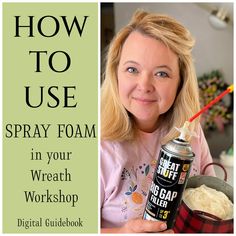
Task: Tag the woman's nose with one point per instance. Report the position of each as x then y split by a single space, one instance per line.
145 83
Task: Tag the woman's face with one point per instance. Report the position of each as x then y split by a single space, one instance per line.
148 79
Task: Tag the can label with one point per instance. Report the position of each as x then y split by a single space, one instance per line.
167 187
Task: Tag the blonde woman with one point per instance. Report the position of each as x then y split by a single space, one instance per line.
149 88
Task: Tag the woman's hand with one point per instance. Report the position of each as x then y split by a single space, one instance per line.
140 226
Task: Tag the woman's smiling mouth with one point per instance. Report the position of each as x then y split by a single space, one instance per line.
144 100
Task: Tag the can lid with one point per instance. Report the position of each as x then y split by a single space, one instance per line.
179 147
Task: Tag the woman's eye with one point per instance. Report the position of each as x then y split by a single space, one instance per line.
162 74
132 70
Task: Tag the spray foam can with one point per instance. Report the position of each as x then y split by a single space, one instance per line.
169 181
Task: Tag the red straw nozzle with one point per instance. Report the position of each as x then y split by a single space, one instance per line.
230 89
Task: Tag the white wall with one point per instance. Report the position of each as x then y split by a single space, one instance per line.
213 49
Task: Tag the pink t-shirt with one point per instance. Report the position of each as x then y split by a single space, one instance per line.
126 173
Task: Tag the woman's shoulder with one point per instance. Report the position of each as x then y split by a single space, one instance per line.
115 151
199 143
107 146
200 134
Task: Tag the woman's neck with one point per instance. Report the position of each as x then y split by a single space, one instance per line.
146 126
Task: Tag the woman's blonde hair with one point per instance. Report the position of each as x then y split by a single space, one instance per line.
116 122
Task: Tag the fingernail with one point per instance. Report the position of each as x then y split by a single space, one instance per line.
163 226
